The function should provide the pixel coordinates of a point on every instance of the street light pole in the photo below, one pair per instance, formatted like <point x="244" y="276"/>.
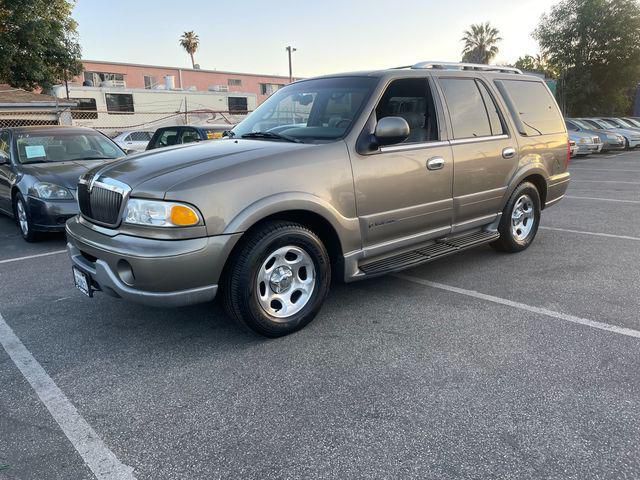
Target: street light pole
<point x="290" y="50"/>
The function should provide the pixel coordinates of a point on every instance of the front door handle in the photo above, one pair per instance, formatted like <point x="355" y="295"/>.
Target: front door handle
<point x="435" y="163"/>
<point x="508" y="153"/>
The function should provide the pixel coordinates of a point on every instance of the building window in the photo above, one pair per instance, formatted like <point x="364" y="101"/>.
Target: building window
<point x="238" y="104"/>
<point x="85" y="109"/>
<point x="269" y="88"/>
<point x="96" y="78"/>
<point x="149" y="82"/>
<point x="234" y="82"/>
<point x="119" y="102"/>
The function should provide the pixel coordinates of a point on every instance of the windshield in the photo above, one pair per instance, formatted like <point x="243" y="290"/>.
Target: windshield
<point x="624" y="123"/>
<point x="34" y="147"/>
<point x="322" y="109"/>
<point x="607" y="124"/>
<point x="582" y="124"/>
<point x="633" y="122"/>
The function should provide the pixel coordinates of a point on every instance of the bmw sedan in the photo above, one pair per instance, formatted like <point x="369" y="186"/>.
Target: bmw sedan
<point x="39" y="170"/>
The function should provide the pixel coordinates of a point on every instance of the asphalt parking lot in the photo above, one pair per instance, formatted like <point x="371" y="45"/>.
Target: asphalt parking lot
<point x="483" y="365"/>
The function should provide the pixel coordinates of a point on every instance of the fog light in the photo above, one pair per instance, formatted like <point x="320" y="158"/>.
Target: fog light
<point x="125" y="272"/>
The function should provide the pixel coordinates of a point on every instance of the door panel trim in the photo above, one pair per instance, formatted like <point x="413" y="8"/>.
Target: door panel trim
<point x="412" y="146"/>
<point x="391" y="245"/>
<point x="463" y="141"/>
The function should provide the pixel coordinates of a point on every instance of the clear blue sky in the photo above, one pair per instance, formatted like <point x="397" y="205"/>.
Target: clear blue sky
<point x="331" y="35"/>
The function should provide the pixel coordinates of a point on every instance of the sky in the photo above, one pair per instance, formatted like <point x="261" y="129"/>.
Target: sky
<point x="330" y="35"/>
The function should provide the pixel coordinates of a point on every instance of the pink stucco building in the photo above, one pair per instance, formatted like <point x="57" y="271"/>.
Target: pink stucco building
<point x="150" y="76"/>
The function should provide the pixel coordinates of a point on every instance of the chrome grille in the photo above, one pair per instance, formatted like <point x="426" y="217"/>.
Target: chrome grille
<point x="596" y="139"/>
<point x="102" y="205"/>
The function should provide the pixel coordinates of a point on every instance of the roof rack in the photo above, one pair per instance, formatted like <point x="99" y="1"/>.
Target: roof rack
<point x="464" y="66"/>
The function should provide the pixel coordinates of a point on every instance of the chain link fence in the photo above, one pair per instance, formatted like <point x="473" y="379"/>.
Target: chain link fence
<point x="113" y="123"/>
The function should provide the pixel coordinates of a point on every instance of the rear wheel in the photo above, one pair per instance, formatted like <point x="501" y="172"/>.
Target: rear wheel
<point x="520" y="219"/>
<point x="23" y="219"/>
<point x="278" y="279"/>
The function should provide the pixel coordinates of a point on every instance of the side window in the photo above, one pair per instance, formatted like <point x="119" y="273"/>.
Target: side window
<point x="467" y="110"/>
<point x="128" y="138"/>
<point x="535" y="106"/>
<point x="4" y="144"/>
<point x="571" y="127"/>
<point x="411" y="99"/>
<point x="189" y="135"/>
<point x="167" y="138"/>
<point x="497" y="127"/>
<point x="119" y="102"/>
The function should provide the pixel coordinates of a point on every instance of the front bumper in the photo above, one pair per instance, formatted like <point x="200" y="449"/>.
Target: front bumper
<point x="613" y="145"/>
<point x="161" y="273"/>
<point x="634" y="143"/>
<point x="588" y="148"/>
<point x="50" y="215"/>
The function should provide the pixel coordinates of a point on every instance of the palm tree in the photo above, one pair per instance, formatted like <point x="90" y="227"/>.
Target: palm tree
<point x="190" y="42"/>
<point x="480" y="43"/>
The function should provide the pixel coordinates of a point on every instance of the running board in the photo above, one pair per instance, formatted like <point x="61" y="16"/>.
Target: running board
<point x="440" y="248"/>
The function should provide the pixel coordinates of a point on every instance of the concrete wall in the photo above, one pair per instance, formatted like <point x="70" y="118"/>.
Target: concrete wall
<point x="184" y="78"/>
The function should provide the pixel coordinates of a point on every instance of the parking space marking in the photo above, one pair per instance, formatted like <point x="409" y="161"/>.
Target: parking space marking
<point x="595" y="234"/>
<point x="28" y="257"/>
<point x="604" y="181"/>
<point x="102" y="461"/>
<point x="611" y="170"/>
<point x="522" y="306"/>
<point x="603" y="199"/>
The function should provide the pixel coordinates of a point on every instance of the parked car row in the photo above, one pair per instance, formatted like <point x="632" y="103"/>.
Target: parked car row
<point x="603" y="134"/>
<point x="134" y="141"/>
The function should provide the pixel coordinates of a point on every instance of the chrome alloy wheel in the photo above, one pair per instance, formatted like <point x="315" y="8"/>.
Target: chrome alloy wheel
<point x="22" y="218"/>
<point x="285" y="282"/>
<point x="522" y="218"/>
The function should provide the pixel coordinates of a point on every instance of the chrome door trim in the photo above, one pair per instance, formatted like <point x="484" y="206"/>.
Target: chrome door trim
<point x="463" y="141"/>
<point x="412" y="146"/>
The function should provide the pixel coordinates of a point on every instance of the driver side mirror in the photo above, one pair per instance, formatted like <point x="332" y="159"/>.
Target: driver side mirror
<point x="391" y="130"/>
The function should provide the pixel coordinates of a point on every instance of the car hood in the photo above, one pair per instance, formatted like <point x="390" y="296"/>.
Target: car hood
<point x="152" y="173"/>
<point x="64" y="174"/>
<point x="627" y="132"/>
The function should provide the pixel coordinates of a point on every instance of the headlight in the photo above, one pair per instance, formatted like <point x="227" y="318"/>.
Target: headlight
<point x="583" y="140"/>
<point x="160" y="214"/>
<point x="620" y="138"/>
<point x="51" y="191"/>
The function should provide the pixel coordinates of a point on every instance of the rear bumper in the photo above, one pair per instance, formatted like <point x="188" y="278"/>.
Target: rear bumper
<point x="50" y="215"/>
<point x="556" y="188"/>
<point x="161" y="273"/>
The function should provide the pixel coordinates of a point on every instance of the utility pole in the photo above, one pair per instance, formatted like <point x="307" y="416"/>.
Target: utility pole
<point x="290" y="50"/>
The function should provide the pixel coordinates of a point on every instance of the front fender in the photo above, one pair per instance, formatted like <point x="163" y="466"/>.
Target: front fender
<point x="348" y="229"/>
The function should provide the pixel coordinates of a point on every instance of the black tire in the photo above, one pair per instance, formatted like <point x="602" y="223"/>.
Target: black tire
<point x="511" y="241"/>
<point x="25" y="229"/>
<point x="241" y="290"/>
<point x="626" y="144"/>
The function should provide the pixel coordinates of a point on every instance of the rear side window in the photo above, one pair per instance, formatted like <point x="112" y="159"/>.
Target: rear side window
<point x="471" y="108"/>
<point x="535" y="106"/>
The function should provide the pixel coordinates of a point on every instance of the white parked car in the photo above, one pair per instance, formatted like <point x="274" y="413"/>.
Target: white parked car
<point x="133" y="141"/>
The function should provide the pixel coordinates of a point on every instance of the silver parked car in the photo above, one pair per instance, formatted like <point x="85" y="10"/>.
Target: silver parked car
<point x="133" y="140"/>
<point x="631" y="136"/>
<point x="610" y="140"/>
<point x="586" y="143"/>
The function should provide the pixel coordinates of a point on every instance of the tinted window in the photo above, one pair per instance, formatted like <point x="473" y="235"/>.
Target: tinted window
<point x="166" y="138"/>
<point x="495" y="120"/>
<point x="85" y="108"/>
<point x="238" y="105"/>
<point x="535" y="106"/>
<point x="411" y="99"/>
<point x="119" y="102"/>
<point x="467" y="110"/>
<point x="189" y="135"/>
<point x="4" y="144"/>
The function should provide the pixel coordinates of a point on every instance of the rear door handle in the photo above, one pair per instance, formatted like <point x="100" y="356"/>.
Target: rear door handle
<point x="509" y="152"/>
<point x="435" y="163"/>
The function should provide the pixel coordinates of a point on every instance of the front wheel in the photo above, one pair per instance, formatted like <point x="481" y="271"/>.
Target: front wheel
<point x="520" y="219"/>
<point x="23" y="219"/>
<point x="278" y="279"/>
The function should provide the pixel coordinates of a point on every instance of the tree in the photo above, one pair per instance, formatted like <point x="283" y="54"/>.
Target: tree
<point x="38" y="43"/>
<point x="595" y="47"/>
<point x="190" y="42"/>
<point x="480" y="43"/>
<point x="539" y="63"/>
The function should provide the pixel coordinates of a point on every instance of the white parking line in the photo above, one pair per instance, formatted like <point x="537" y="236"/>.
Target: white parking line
<point x="595" y="234"/>
<point x="603" y="199"/>
<point x="612" y="170"/>
<point x="522" y="306"/>
<point x="102" y="461"/>
<point x="9" y="260"/>
<point x="604" y="181"/>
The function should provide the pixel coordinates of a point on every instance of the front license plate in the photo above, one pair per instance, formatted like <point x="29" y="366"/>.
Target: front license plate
<point x="82" y="281"/>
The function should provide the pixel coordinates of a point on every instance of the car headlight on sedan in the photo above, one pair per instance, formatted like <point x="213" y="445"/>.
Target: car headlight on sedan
<point x="155" y="213"/>
<point x="583" y="140"/>
<point x="51" y="191"/>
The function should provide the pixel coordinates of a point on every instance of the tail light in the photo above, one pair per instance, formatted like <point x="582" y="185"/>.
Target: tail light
<point x="566" y="166"/>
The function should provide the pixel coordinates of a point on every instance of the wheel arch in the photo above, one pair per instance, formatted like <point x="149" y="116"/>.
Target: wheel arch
<point x="537" y="176"/>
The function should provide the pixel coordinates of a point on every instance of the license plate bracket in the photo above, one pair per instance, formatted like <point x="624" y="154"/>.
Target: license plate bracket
<point x="82" y="281"/>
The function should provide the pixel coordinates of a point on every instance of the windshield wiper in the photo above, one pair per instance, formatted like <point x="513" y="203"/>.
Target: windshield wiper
<point x="278" y="136"/>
